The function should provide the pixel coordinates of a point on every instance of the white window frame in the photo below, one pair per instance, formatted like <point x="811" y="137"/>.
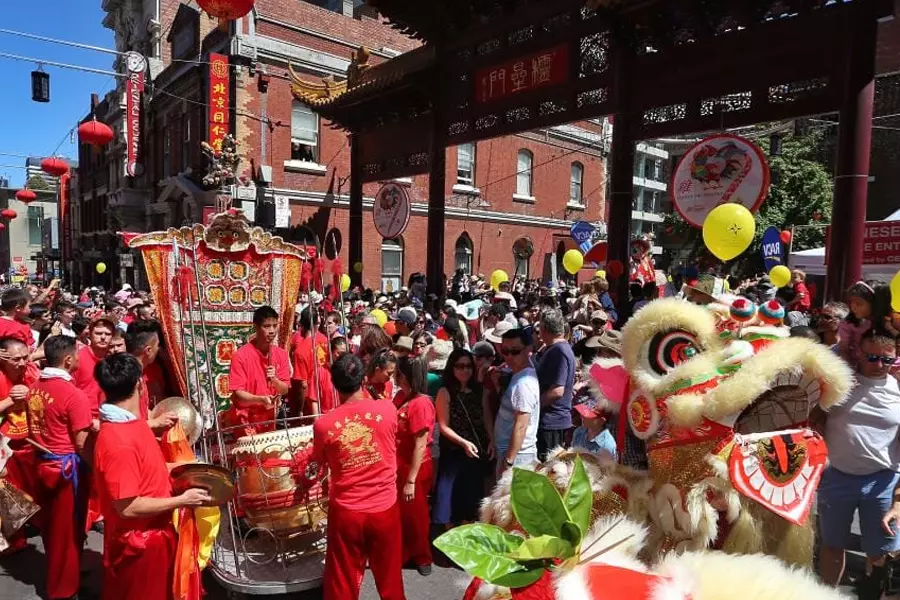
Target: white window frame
<point x="524" y="175"/>
<point x="304" y="136"/>
<point x="576" y="184"/>
<point x="394" y="279"/>
<point x="465" y="164"/>
<point x="464" y="247"/>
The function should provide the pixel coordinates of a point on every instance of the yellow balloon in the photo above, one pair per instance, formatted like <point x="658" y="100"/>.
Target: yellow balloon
<point x="345" y="282"/>
<point x="380" y="316"/>
<point x="895" y="292"/>
<point x="780" y="276"/>
<point x="601" y="273"/>
<point x="573" y="260"/>
<point x="728" y="230"/>
<point x="101" y="268"/>
<point x="357" y="267"/>
<point x="497" y="277"/>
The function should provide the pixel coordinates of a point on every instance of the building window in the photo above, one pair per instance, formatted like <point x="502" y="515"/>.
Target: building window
<point x="391" y="265"/>
<point x="304" y="133"/>
<point x="465" y="164"/>
<point x="34" y="225"/>
<point x="521" y="266"/>
<point x="463" y="253"/>
<point x="525" y="163"/>
<point x="575" y="185"/>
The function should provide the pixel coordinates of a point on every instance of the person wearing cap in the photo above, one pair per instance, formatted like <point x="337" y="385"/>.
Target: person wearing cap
<point x="556" y="375"/>
<point x="598" y="321"/>
<point x="99" y="335"/>
<point x="593" y="434"/>
<point x="494" y="335"/>
<point x="406" y="321"/>
<point x="403" y="346"/>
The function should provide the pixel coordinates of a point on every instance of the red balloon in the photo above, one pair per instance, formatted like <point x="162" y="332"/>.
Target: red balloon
<point x="25" y="196"/>
<point x="786" y="236"/>
<point x="8" y="213"/>
<point x="2" y="226"/>
<point x="227" y="9"/>
<point x="614" y="269"/>
<point x="55" y="166"/>
<point x="95" y="133"/>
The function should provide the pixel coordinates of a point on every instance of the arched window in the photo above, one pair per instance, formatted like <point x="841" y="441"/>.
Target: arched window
<point x="575" y="184"/>
<point x="463" y="253"/>
<point x="391" y="264"/>
<point x="524" y="164"/>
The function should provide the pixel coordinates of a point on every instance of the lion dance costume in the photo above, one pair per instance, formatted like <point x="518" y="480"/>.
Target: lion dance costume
<point x="721" y="396"/>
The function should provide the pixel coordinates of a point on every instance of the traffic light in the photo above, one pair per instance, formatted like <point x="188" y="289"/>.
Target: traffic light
<point x="40" y="86"/>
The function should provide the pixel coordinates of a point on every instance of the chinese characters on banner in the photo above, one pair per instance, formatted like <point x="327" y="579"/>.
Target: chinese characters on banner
<point x="134" y="87"/>
<point x="219" y="120"/>
<point x="549" y="67"/>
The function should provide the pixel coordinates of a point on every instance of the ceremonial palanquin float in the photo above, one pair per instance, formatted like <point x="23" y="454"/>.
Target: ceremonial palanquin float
<point x="207" y="280"/>
<point x="721" y="397"/>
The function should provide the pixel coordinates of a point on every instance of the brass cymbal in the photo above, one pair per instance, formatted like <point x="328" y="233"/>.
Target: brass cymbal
<point x="190" y="419"/>
<point x="216" y="480"/>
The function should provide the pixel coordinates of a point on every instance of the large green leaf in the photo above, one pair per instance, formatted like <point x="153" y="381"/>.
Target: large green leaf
<point x="543" y="547"/>
<point x="537" y="504"/>
<point x="481" y="550"/>
<point x="520" y="579"/>
<point x="579" y="497"/>
<point x="571" y="533"/>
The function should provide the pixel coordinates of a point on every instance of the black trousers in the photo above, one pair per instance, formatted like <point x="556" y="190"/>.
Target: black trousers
<point x="549" y="439"/>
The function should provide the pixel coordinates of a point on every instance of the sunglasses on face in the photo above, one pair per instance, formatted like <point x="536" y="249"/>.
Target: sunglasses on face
<point x="511" y="351"/>
<point x="885" y="360"/>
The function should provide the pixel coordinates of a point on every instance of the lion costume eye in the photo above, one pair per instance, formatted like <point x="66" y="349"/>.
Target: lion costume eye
<point x="668" y="349"/>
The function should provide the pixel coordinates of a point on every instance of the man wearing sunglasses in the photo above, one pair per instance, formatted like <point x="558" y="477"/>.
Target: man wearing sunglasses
<point x="516" y="425"/>
<point x="864" y="470"/>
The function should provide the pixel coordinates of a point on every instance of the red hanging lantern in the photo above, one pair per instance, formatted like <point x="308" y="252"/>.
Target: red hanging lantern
<point x="614" y="269"/>
<point x="95" y="133"/>
<point x="55" y="166"/>
<point x="227" y="9"/>
<point x="2" y="226"/>
<point x="8" y="213"/>
<point x="786" y="236"/>
<point x="25" y="196"/>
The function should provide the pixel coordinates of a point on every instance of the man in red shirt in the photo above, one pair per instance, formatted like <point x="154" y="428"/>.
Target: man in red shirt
<point x="15" y="306"/>
<point x="357" y="443"/>
<point x="117" y="343"/>
<point x="136" y="494"/>
<point x="100" y="333"/>
<point x="260" y="374"/>
<point x="143" y="344"/>
<point x="59" y="419"/>
<point x="311" y="381"/>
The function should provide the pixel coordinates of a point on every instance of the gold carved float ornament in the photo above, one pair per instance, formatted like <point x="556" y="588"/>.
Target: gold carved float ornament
<point x="206" y="281"/>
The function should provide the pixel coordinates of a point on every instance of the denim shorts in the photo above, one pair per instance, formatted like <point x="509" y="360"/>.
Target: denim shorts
<point x="841" y="495"/>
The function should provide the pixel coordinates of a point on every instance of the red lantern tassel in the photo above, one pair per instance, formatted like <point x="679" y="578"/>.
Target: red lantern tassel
<point x="305" y="277"/>
<point x="181" y="285"/>
<point x="318" y="271"/>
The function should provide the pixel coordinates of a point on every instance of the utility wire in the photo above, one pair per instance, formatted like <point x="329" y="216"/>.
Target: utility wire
<point x="52" y="63"/>
<point x="42" y="38"/>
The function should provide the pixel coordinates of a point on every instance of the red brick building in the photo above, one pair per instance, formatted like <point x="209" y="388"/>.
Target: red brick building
<point x="303" y="164"/>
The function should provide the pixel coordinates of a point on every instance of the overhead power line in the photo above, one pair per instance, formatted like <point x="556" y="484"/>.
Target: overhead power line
<point x="51" y="40"/>
<point x="52" y="63"/>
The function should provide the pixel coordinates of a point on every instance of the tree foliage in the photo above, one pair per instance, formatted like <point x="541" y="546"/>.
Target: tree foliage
<point x="800" y="195"/>
<point x="37" y="184"/>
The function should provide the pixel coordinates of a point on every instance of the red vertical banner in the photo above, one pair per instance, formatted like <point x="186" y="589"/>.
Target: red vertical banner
<point x="219" y="100"/>
<point x="134" y="87"/>
<point x="65" y="225"/>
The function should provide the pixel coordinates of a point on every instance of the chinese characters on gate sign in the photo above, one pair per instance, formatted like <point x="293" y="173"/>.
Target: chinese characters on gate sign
<point x="218" y="100"/>
<point x="548" y="67"/>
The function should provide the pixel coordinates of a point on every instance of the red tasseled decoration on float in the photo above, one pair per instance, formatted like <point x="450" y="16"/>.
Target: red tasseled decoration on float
<point x="318" y="272"/>
<point x="337" y="269"/>
<point x="305" y="277"/>
<point x="181" y="285"/>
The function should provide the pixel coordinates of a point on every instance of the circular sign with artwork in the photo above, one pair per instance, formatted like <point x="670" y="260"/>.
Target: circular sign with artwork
<point x="716" y="170"/>
<point x="392" y="210"/>
<point x="523" y="248"/>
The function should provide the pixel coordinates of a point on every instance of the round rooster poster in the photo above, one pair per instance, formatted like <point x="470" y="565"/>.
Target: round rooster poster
<point x="716" y="170"/>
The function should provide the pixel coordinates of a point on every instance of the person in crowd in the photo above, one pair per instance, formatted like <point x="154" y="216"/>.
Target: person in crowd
<point x="593" y="435"/>
<point x="828" y="323"/>
<point x="415" y="423"/>
<point x="421" y="341"/>
<point x="99" y="335"/>
<point x="339" y="347"/>
<point x="863" y="439"/>
<point x="869" y="303"/>
<point x="804" y="332"/>
<point x="364" y="515"/>
<point x="65" y="317"/>
<point x="15" y="306"/>
<point x="406" y="321"/>
<point x="465" y="443"/>
<point x="38" y="320"/>
<point x="135" y="490"/>
<point x="802" y="298"/>
<point x="451" y="330"/>
<point x="556" y="375"/>
<point x="516" y="424"/>
<point x="372" y="341"/>
<point x="310" y="380"/>
<point x="601" y="285"/>
<point x="59" y="420"/>
<point x="380" y="375"/>
<point x="580" y="349"/>
<point x="437" y="353"/>
<point x="495" y="335"/>
<point x="143" y="343"/>
<point x="117" y="343"/>
<point x="259" y="377"/>
<point x="402" y="347"/>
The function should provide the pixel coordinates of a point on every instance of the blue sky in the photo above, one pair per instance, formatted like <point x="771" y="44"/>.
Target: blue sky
<point x="34" y="128"/>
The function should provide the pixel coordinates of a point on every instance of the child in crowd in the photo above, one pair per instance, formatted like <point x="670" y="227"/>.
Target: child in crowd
<point x="869" y="302"/>
<point x="593" y="435"/>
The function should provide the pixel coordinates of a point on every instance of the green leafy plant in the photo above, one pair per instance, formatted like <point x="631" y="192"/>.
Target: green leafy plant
<point x="555" y="524"/>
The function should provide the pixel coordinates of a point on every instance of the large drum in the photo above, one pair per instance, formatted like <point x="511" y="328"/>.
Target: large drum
<point x="275" y="491"/>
